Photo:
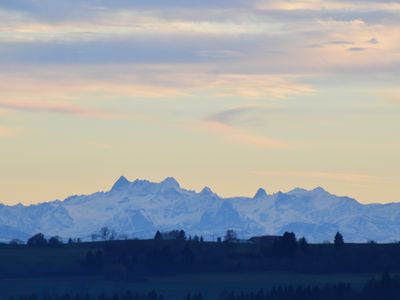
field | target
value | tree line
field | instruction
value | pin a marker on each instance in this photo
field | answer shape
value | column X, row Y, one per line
column 107, row 234
column 125, row 259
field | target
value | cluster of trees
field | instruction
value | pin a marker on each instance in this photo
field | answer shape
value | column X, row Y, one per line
column 179, row 235
column 106, row 234
column 288, row 245
column 161, row 257
column 386, row 288
column 174, row 253
column 40, row 240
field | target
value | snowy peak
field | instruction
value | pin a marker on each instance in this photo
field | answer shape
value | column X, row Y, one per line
column 261, row 193
column 121, row 184
column 206, row 191
column 170, row 183
column 318, row 191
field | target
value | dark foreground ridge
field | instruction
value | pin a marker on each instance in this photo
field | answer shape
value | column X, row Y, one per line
column 178, row 266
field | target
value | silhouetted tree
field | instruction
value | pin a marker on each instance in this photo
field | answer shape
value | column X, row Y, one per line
column 303, row 244
column 287, row 245
column 37, row 240
column 230, row 236
column 158, row 236
column 55, row 241
column 104, row 233
column 181, row 235
column 339, row 241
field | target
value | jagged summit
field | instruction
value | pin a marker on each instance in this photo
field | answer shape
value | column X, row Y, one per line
column 320, row 190
column 296, row 191
column 170, row 182
column 120, row 184
column 206, row 191
column 261, row 193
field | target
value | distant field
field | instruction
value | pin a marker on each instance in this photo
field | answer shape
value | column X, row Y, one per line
column 174, row 287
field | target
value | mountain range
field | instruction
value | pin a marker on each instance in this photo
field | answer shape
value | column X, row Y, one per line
column 137, row 209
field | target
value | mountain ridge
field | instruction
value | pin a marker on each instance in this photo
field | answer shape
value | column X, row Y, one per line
column 138, row 208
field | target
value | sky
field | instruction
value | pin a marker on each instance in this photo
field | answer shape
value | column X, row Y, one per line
column 234, row 95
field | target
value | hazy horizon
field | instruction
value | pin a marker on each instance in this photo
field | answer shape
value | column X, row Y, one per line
column 234, row 95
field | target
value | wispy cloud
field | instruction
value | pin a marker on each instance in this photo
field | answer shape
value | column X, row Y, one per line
column 56, row 108
column 243, row 137
column 390, row 94
column 230, row 124
column 318, row 5
column 246, row 115
column 258, row 86
column 373, row 41
column 344, row 177
column 356, row 49
column 6, row 132
column 147, row 81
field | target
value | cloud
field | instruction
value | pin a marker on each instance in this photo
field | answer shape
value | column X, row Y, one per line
column 321, row 5
column 343, row 177
column 229, row 125
column 373, row 41
column 237, row 37
column 144, row 81
column 245, row 115
column 257, row 86
column 56, row 108
column 6, row 132
column 392, row 95
column 116, row 24
column 221, row 54
column 356, row 49
column 339, row 43
column 242, row 137
column 231, row 115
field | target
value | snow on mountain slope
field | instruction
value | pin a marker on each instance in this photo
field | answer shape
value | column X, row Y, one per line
column 139, row 208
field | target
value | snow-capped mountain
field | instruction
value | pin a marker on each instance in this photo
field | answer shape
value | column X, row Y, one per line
column 139, row 208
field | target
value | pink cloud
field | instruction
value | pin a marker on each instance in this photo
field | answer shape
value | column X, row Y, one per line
column 344, row 177
column 6, row 132
column 30, row 106
column 243, row 137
